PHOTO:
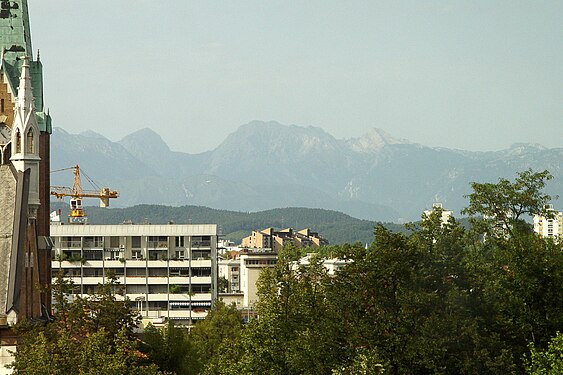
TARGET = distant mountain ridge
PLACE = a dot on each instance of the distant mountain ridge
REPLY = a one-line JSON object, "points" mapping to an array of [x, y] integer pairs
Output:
{"points": [[265, 165]]}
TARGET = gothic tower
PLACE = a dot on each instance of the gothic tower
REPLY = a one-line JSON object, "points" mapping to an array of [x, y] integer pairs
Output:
{"points": [[25, 128]]}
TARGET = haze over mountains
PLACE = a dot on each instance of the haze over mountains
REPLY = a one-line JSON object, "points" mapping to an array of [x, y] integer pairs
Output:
{"points": [[266, 165]]}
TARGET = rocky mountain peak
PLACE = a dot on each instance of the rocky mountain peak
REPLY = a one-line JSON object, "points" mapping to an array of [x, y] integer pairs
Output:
{"points": [[92, 134], [272, 136], [374, 140], [144, 141]]}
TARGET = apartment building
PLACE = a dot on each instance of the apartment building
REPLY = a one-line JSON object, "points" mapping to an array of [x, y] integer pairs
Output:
{"points": [[445, 214], [241, 274], [166, 271], [549, 227], [271, 239]]}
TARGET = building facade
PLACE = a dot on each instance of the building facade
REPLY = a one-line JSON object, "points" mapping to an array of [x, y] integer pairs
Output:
{"points": [[166, 271], [25, 128], [551, 227], [276, 239], [445, 215], [241, 274]]}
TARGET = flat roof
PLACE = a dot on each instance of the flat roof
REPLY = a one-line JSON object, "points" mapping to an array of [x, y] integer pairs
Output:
{"points": [[135, 230]]}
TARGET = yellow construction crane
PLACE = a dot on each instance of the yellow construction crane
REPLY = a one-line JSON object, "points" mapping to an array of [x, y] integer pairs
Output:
{"points": [[76, 193]]}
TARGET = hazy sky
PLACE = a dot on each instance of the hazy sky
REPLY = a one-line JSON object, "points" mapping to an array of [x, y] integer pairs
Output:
{"points": [[477, 75]]}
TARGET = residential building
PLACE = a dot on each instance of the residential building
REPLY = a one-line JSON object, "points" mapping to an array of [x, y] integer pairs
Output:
{"points": [[549, 226], [332, 265], [239, 270], [242, 272], [271, 239], [166, 271], [445, 215], [242, 268], [251, 265]]}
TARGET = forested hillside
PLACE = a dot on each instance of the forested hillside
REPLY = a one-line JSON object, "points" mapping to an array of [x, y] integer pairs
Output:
{"points": [[335, 226]]}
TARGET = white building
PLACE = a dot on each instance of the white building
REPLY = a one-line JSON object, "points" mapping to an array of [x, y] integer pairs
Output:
{"points": [[167, 271], [549, 227], [445, 216], [332, 265], [243, 272]]}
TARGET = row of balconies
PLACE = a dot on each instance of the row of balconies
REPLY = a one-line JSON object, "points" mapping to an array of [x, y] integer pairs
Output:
{"points": [[142, 280], [131, 263], [72, 245], [173, 314]]}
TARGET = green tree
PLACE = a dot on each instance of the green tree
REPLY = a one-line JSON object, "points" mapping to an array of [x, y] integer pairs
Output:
{"points": [[90, 335], [217, 338], [506, 203], [549, 361], [294, 331], [171, 349]]}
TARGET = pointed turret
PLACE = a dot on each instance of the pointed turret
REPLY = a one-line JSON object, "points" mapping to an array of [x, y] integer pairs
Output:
{"points": [[25, 99], [25, 136]]}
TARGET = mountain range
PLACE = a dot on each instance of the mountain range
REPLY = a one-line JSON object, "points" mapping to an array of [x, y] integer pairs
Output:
{"points": [[265, 165]]}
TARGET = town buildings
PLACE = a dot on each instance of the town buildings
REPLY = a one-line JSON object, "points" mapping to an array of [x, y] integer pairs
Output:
{"points": [[271, 239], [240, 270], [166, 271]]}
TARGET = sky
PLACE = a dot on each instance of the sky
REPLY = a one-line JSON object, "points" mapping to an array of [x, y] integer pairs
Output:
{"points": [[475, 75]]}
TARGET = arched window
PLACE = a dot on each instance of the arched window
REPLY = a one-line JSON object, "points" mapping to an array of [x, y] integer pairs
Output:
{"points": [[18, 142], [30, 141]]}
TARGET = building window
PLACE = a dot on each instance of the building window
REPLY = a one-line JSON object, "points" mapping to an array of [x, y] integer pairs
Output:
{"points": [[179, 241], [136, 242], [2, 106], [18, 141], [201, 241], [157, 242], [30, 141], [114, 241]]}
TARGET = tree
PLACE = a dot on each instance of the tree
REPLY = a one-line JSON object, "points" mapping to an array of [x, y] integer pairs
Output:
{"points": [[294, 332], [217, 337], [171, 348], [59, 354], [508, 202], [550, 361], [90, 335]]}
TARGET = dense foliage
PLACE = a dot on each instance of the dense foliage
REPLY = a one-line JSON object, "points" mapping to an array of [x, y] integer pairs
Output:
{"points": [[92, 335]]}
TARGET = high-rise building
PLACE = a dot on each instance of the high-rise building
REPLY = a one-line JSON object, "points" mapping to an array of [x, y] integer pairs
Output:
{"points": [[445, 215], [549, 226], [25, 128], [270, 238], [167, 271]]}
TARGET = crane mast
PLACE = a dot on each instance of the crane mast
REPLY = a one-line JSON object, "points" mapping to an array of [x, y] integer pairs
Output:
{"points": [[76, 193]]}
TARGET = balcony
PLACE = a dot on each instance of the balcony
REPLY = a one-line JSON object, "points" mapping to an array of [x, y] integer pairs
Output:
{"points": [[157, 245], [75, 244]]}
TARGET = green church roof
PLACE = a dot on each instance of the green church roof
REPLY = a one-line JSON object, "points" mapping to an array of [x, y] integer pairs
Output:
{"points": [[15, 36]]}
